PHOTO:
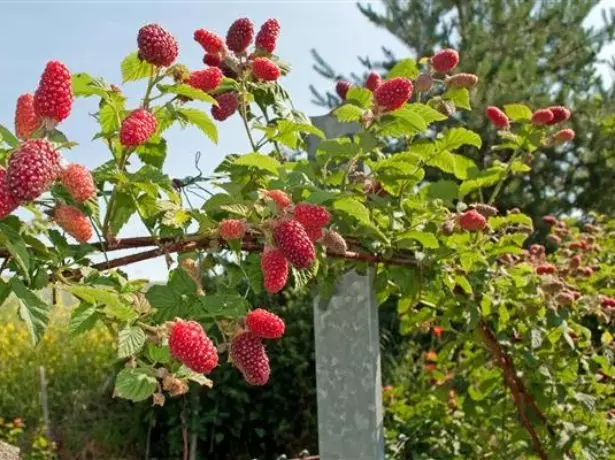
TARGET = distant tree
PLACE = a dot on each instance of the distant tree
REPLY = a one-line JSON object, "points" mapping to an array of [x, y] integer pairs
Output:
{"points": [[536, 51]]}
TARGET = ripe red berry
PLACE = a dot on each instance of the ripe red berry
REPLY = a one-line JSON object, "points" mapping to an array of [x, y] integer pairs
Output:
{"points": [[373, 81], [232, 229], [472, 221], [575, 261], [334, 242], [445, 60], [213, 60], [239, 35], [542, 117], [7, 202], [342, 87], [137, 128], [189, 343], [279, 197], [559, 114], [588, 271], [26, 120], [211, 42], [497, 117], [563, 136], [265, 69], [275, 270], [78, 181], [312, 215], [437, 331], [545, 269], [267, 36], [205, 80], [249, 355], [549, 220], [32, 169], [294, 242], [462, 80], [607, 302], [156, 45], [227, 106], [392, 94], [74, 222], [314, 233], [53, 98], [264, 324]]}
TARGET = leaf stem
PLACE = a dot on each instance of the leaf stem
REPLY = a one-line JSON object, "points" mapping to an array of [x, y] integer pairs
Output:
{"points": [[243, 112], [500, 184]]}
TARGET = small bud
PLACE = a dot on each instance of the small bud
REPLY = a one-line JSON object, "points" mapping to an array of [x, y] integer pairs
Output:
{"points": [[448, 227], [485, 209], [444, 107], [423, 83], [462, 80]]}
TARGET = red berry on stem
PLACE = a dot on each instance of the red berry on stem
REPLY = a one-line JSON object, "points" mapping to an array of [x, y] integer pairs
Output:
{"points": [[211, 42], [264, 324], [137, 128], [563, 136], [249, 355], [26, 120], [294, 243], [314, 233], [393, 94], [275, 270], [7, 202], [74, 222], [232, 229], [189, 343], [312, 215], [545, 269], [53, 98], [205, 80], [265, 69], [32, 169], [239, 35], [156, 45], [560, 114], [279, 197], [213, 60], [497, 117], [78, 181], [373, 81], [267, 36], [227, 106], [472, 221], [342, 87], [542, 117], [445, 60]]}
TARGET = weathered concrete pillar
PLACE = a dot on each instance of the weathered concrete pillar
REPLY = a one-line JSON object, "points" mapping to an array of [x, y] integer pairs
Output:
{"points": [[349, 387]]}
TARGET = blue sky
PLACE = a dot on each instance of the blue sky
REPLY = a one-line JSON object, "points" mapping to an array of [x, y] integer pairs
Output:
{"points": [[95, 36]]}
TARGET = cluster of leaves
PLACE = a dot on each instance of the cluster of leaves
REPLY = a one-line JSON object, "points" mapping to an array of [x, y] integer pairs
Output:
{"points": [[497, 316]]}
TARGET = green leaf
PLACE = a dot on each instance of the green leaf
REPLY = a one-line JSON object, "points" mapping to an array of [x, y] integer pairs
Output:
{"points": [[216, 306], [411, 118], [459, 96], [348, 113], [606, 338], [171, 300], [453, 163], [14, 243], [407, 68], [8, 137], [185, 372], [443, 189], [130, 341], [32, 310], [5, 291], [289, 132], [153, 152], [84, 85], [353, 208], [111, 300], [361, 97], [518, 112], [158, 354], [135, 384], [188, 91], [259, 162], [428, 114], [134, 69], [485, 178], [428, 240], [201, 120], [456, 137], [123, 208], [519, 167], [497, 222], [82, 319]]}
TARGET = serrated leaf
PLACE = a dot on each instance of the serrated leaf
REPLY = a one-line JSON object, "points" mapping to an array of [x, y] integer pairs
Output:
{"points": [[201, 120], [348, 113], [238, 209], [459, 96], [84, 85], [130, 341], [5, 291], [456, 137], [111, 300], [443, 189], [411, 118], [405, 68], [353, 208], [452, 163], [428, 114], [82, 319], [14, 243], [427, 240], [519, 167], [124, 207], [361, 97], [8, 137], [188, 91], [518, 112], [259, 162], [32, 310], [171, 300], [158, 354], [134, 69], [497, 222], [135, 384], [216, 306], [153, 152], [482, 179], [189, 374]]}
